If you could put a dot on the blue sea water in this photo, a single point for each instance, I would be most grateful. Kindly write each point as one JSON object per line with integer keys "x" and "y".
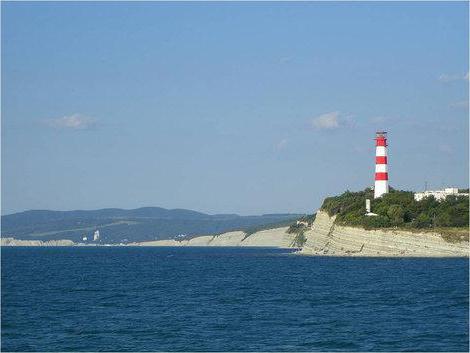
{"x": 229, "y": 299}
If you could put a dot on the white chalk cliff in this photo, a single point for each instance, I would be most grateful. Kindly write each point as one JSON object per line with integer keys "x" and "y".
{"x": 327, "y": 238}
{"x": 18, "y": 242}
{"x": 278, "y": 238}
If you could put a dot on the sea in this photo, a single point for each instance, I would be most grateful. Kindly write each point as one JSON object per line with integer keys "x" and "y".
{"x": 228, "y": 299}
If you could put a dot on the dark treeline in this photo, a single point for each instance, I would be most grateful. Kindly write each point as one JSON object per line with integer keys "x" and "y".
{"x": 398, "y": 209}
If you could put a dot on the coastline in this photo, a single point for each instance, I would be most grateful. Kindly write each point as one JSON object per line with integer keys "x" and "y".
{"x": 324, "y": 238}
{"x": 274, "y": 238}
{"x": 328, "y": 239}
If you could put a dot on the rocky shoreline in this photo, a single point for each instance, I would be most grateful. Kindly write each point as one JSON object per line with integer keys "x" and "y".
{"x": 328, "y": 239}
{"x": 277, "y": 238}
{"x": 18, "y": 242}
{"x": 325, "y": 238}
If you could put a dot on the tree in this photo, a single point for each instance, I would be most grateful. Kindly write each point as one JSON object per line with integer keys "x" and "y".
{"x": 376, "y": 222}
{"x": 396, "y": 215}
{"x": 443, "y": 220}
{"x": 398, "y": 208}
{"x": 422, "y": 221}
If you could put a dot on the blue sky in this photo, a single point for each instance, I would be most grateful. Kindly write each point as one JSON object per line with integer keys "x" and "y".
{"x": 242, "y": 108}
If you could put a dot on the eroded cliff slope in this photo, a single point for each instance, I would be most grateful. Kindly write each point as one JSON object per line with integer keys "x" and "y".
{"x": 277, "y": 237}
{"x": 327, "y": 238}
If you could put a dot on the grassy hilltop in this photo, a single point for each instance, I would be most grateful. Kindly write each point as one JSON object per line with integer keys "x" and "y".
{"x": 398, "y": 209}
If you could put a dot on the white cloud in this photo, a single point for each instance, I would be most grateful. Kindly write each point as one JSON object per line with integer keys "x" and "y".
{"x": 453, "y": 77}
{"x": 326, "y": 121}
{"x": 72, "y": 122}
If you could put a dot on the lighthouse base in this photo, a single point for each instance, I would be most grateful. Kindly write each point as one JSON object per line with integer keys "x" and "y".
{"x": 380, "y": 188}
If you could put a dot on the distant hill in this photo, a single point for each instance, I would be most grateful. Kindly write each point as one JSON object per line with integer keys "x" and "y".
{"x": 119, "y": 225}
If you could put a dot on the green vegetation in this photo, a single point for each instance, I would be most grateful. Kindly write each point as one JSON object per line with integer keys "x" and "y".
{"x": 299, "y": 240}
{"x": 399, "y": 209}
{"x": 299, "y": 230}
{"x": 294, "y": 228}
{"x": 454, "y": 235}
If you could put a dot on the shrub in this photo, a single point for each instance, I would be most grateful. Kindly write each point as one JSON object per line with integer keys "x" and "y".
{"x": 376, "y": 222}
{"x": 295, "y": 228}
{"x": 299, "y": 240}
{"x": 398, "y": 209}
{"x": 396, "y": 215}
{"x": 422, "y": 221}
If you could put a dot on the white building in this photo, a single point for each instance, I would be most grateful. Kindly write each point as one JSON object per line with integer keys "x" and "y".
{"x": 439, "y": 195}
{"x": 96, "y": 235}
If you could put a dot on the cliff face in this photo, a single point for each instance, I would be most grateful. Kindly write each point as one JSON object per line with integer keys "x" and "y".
{"x": 326, "y": 238}
{"x": 277, "y": 238}
{"x": 17, "y": 242}
{"x": 267, "y": 238}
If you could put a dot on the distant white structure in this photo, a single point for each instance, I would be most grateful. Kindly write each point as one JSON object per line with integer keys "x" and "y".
{"x": 304, "y": 223}
{"x": 85, "y": 238}
{"x": 368, "y": 213}
{"x": 439, "y": 195}
{"x": 96, "y": 235}
{"x": 381, "y": 164}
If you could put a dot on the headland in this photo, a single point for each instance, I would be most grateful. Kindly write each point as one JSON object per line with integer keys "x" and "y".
{"x": 326, "y": 238}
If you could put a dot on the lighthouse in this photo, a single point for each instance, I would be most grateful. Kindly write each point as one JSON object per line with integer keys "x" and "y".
{"x": 381, "y": 170}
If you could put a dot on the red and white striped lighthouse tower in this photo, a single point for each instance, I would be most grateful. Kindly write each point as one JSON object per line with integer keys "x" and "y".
{"x": 381, "y": 170}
